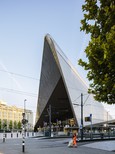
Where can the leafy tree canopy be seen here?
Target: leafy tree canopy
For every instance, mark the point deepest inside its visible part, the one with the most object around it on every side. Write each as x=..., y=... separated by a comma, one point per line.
x=10, y=124
x=15, y=124
x=19, y=125
x=0, y=124
x=99, y=22
x=4, y=124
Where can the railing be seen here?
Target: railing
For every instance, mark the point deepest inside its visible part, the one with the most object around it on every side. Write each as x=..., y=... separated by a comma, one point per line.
x=10, y=135
x=98, y=136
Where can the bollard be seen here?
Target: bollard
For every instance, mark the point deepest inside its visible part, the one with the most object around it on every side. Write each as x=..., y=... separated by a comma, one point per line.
x=11, y=135
x=23, y=146
x=3, y=137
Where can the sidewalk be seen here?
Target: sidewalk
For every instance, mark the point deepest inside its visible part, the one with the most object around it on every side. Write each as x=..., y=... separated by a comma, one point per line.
x=104, y=145
x=55, y=146
x=108, y=145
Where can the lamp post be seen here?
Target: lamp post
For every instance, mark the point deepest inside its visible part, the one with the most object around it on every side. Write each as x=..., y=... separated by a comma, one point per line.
x=81, y=127
x=108, y=122
x=23, y=129
x=25, y=105
x=81, y=116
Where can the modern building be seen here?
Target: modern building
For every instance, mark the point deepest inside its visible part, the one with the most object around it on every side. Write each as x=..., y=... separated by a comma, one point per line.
x=63, y=93
x=14, y=114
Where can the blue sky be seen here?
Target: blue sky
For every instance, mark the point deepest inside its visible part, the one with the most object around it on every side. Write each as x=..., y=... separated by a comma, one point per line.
x=23, y=25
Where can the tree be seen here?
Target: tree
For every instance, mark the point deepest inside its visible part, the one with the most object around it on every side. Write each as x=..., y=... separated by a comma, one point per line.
x=19, y=125
x=4, y=124
x=99, y=22
x=10, y=125
x=15, y=125
x=0, y=124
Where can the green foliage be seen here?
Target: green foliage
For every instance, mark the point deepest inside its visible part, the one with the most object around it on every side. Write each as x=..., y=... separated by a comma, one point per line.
x=4, y=124
x=15, y=125
x=99, y=21
x=19, y=125
x=0, y=124
x=10, y=125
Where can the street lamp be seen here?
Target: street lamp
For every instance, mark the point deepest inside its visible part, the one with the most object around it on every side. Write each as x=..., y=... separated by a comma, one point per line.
x=81, y=127
x=25, y=105
x=23, y=129
x=108, y=121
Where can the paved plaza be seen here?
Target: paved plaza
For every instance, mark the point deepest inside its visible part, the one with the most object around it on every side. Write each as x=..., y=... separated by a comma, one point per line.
x=105, y=145
x=55, y=146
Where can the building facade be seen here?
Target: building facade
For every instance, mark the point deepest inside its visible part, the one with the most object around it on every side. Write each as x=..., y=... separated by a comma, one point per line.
x=63, y=94
x=12, y=115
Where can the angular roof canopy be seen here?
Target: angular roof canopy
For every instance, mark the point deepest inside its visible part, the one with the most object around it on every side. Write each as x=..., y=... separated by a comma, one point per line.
x=61, y=87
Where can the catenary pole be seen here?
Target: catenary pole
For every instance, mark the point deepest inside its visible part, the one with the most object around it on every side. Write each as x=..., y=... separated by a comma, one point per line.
x=81, y=116
x=50, y=118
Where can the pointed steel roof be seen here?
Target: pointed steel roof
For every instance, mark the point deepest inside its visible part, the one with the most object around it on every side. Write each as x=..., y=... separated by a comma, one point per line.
x=61, y=86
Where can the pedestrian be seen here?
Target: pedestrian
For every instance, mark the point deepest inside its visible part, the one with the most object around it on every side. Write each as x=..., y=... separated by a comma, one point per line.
x=74, y=138
x=73, y=141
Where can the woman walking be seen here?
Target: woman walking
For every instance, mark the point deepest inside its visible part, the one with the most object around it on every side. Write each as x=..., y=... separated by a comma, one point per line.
x=74, y=140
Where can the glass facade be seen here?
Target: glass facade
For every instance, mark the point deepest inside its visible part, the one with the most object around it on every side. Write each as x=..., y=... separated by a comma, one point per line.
x=58, y=74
